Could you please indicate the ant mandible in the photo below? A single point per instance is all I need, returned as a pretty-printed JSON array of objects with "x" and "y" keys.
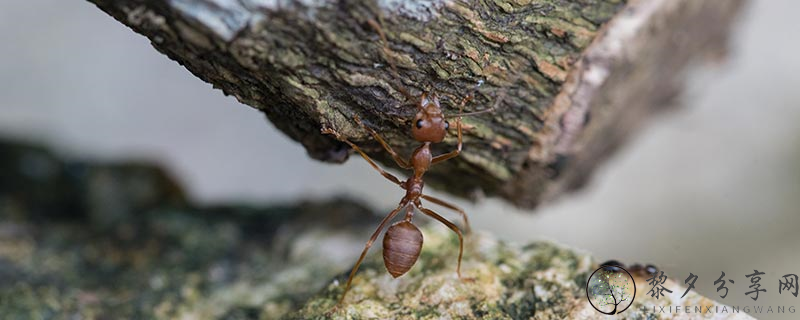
[{"x": 403, "y": 240}]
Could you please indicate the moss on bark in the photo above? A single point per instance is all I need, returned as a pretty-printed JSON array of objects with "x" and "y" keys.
[{"x": 549, "y": 65}]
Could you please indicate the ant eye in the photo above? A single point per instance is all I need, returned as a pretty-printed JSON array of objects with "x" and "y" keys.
[
  {"x": 447, "y": 125},
  {"x": 419, "y": 124}
]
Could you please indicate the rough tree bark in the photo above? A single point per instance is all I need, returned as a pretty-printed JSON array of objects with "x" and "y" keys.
[{"x": 570, "y": 78}]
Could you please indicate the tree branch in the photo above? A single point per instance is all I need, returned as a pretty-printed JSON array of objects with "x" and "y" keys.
[{"x": 560, "y": 63}]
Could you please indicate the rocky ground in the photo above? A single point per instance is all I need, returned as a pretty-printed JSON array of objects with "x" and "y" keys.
[{"x": 84, "y": 240}]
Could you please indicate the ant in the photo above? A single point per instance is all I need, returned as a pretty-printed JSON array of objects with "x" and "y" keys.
[
  {"x": 402, "y": 243},
  {"x": 637, "y": 269}
]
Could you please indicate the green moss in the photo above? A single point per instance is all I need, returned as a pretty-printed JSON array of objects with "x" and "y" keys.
[{"x": 166, "y": 260}]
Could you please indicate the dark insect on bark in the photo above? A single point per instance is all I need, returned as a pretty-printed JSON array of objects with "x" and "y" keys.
[{"x": 403, "y": 241}]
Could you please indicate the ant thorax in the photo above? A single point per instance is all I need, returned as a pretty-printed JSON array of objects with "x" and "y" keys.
[{"x": 421, "y": 159}]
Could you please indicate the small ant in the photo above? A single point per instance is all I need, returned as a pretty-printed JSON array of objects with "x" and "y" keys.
[
  {"x": 403, "y": 240},
  {"x": 636, "y": 269}
]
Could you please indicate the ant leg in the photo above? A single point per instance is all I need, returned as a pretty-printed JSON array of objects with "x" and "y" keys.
[
  {"x": 452, "y": 227},
  {"x": 456, "y": 152},
  {"x": 387, "y": 175},
  {"x": 451, "y": 207},
  {"x": 397, "y": 159},
  {"x": 375, "y": 235}
]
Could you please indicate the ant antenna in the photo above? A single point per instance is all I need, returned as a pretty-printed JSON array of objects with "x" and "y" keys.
[
  {"x": 472, "y": 113},
  {"x": 386, "y": 56},
  {"x": 470, "y": 96}
]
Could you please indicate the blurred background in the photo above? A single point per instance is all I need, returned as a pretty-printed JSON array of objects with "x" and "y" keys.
[{"x": 712, "y": 186}]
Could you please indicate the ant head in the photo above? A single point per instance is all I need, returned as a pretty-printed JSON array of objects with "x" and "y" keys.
[{"x": 429, "y": 124}]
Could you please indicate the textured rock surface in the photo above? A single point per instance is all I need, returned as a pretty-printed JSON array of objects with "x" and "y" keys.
[
  {"x": 503, "y": 281},
  {"x": 108, "y": 241},
  {"x": 113, "y": 241},
  {"x": 171, "y": 264},
  {"x": 552, "y": 66}
]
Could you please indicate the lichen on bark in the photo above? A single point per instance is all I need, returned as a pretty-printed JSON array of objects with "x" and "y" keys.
[{"x": 306, "y": 64}]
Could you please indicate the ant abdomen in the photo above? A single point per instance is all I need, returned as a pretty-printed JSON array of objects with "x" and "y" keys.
[{"x": 401, "y": 247}]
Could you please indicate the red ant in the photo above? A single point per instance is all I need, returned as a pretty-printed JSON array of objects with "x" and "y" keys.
[{"x": 403, "y": 240}]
